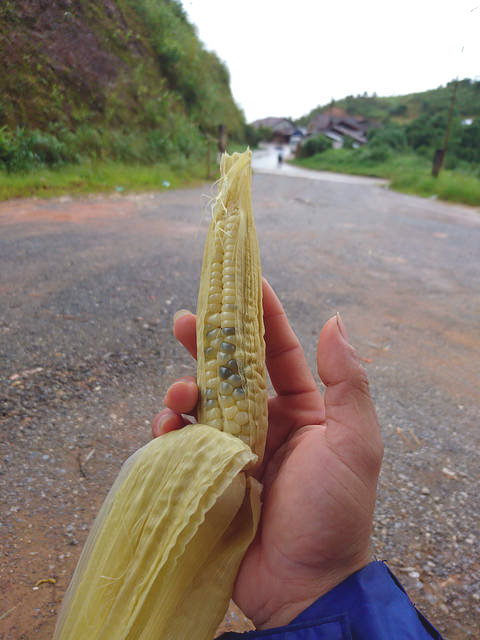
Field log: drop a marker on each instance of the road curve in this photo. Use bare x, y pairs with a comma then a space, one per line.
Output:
265, 160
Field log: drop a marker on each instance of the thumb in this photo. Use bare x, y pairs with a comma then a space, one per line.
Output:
352, 428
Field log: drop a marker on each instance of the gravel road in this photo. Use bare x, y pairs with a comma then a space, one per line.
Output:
88, 289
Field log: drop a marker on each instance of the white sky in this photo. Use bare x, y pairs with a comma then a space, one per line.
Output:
285, 58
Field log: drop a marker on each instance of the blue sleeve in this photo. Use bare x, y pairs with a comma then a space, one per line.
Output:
369, 605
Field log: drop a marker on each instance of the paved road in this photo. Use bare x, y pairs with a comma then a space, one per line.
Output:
88, 289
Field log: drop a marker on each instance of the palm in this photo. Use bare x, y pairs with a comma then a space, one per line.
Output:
316, 513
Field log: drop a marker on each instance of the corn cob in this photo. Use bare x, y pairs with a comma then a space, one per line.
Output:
230, 347
162, 556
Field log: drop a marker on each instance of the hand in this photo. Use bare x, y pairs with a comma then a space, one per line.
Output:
320, 471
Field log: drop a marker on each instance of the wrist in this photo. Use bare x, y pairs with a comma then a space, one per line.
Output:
298, 596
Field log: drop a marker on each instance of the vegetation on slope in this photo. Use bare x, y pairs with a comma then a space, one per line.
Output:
121, 80
402, 109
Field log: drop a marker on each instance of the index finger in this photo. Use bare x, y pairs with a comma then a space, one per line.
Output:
184, 330
286, 362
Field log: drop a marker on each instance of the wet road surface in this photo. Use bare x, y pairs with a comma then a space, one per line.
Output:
265, 160
88, 289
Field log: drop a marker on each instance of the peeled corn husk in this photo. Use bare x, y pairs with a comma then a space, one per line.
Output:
173, 527
161, 559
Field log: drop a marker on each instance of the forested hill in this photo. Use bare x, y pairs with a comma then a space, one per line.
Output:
119, 65
402, 109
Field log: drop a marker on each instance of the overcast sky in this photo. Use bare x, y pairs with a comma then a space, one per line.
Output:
285, 58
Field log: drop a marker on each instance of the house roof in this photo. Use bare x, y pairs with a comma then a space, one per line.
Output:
272, 123
321, 122
285, 128
356, 134
348, 124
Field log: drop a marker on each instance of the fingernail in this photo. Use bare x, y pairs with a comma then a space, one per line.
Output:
157, 425
159, 420
163, 420
179, 314
341, 327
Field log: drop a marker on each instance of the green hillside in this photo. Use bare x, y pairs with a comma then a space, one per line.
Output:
126, 80
401, 109
401, 146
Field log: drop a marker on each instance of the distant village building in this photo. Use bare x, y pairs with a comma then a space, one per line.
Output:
336, 124
296, 139
282, 128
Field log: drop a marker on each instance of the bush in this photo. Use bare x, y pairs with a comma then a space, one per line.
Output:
348, 142
391, 136
23, 150
374, 152
16, 150
398, 110
468, 147
6, 149
314, 145
86, 140
50, 151
124, 147
252, 136
186, 138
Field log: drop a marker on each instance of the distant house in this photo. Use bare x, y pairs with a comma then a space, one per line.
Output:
282, 128
296, 139
300, 132
336, 124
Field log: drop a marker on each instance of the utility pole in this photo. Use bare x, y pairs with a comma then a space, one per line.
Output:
439, 157
450, 116
208, 158
222, 138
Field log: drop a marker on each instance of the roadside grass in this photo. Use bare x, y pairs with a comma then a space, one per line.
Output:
451, 186
101, 177
352, 161
407, 172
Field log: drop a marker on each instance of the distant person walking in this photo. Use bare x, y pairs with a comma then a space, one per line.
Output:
280, 159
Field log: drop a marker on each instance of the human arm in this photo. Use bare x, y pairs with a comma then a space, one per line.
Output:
370, 604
